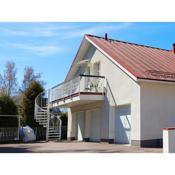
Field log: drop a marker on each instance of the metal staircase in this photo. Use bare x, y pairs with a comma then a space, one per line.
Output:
45, 118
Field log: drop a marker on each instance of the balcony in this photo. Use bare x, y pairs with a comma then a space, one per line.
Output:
80, 90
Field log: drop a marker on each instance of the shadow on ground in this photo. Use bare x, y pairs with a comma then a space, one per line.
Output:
65, 147
27, 150
14, 150
81, 151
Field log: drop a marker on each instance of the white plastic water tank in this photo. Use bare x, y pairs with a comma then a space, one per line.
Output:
27, 134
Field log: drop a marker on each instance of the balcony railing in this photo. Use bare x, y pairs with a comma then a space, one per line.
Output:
87, 84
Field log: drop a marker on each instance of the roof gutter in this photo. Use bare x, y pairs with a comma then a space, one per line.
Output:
147, 80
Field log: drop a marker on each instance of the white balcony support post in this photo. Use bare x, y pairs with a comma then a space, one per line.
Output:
71, 128
87, 124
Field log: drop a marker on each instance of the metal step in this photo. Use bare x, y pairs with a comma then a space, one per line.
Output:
41, 114
41, 119
52, 129
54, 133
44, 118
41, 110
42, 122
54, 137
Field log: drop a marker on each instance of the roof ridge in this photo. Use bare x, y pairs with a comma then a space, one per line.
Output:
110, 39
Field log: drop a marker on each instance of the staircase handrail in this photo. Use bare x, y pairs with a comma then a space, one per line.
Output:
37, 106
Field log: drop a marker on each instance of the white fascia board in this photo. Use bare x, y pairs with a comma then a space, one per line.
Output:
115, 62
140, 80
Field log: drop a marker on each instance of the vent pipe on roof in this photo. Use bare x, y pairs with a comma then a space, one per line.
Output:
106, 36
174, 48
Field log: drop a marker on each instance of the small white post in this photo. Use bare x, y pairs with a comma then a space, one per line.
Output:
169, 140
18, 125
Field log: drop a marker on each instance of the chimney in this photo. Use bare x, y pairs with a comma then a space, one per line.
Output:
106, 36
174, 48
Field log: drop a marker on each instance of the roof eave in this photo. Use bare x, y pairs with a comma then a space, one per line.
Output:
150, 80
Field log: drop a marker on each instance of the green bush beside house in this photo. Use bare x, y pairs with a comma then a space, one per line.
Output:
7, 107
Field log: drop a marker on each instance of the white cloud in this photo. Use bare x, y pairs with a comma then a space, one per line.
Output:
40, 50
68, 31
97, 29
46, 31
56, 32
29, 33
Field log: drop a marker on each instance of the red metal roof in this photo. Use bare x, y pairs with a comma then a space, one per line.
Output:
141, 61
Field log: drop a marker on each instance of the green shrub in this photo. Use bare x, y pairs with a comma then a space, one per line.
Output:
7, 105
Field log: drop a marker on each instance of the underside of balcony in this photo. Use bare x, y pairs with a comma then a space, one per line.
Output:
81, 90
78, 99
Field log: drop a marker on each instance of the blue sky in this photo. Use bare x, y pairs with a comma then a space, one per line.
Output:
50, 47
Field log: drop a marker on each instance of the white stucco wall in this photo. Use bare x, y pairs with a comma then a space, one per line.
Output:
157, 109
87, 124
124, 90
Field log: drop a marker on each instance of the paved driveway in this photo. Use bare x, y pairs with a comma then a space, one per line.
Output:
73, 147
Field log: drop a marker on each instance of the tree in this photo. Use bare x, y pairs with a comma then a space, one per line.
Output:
7, 105
28, 102
8, 81
29, 76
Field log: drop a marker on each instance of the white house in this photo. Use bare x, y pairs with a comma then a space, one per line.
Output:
118, 92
